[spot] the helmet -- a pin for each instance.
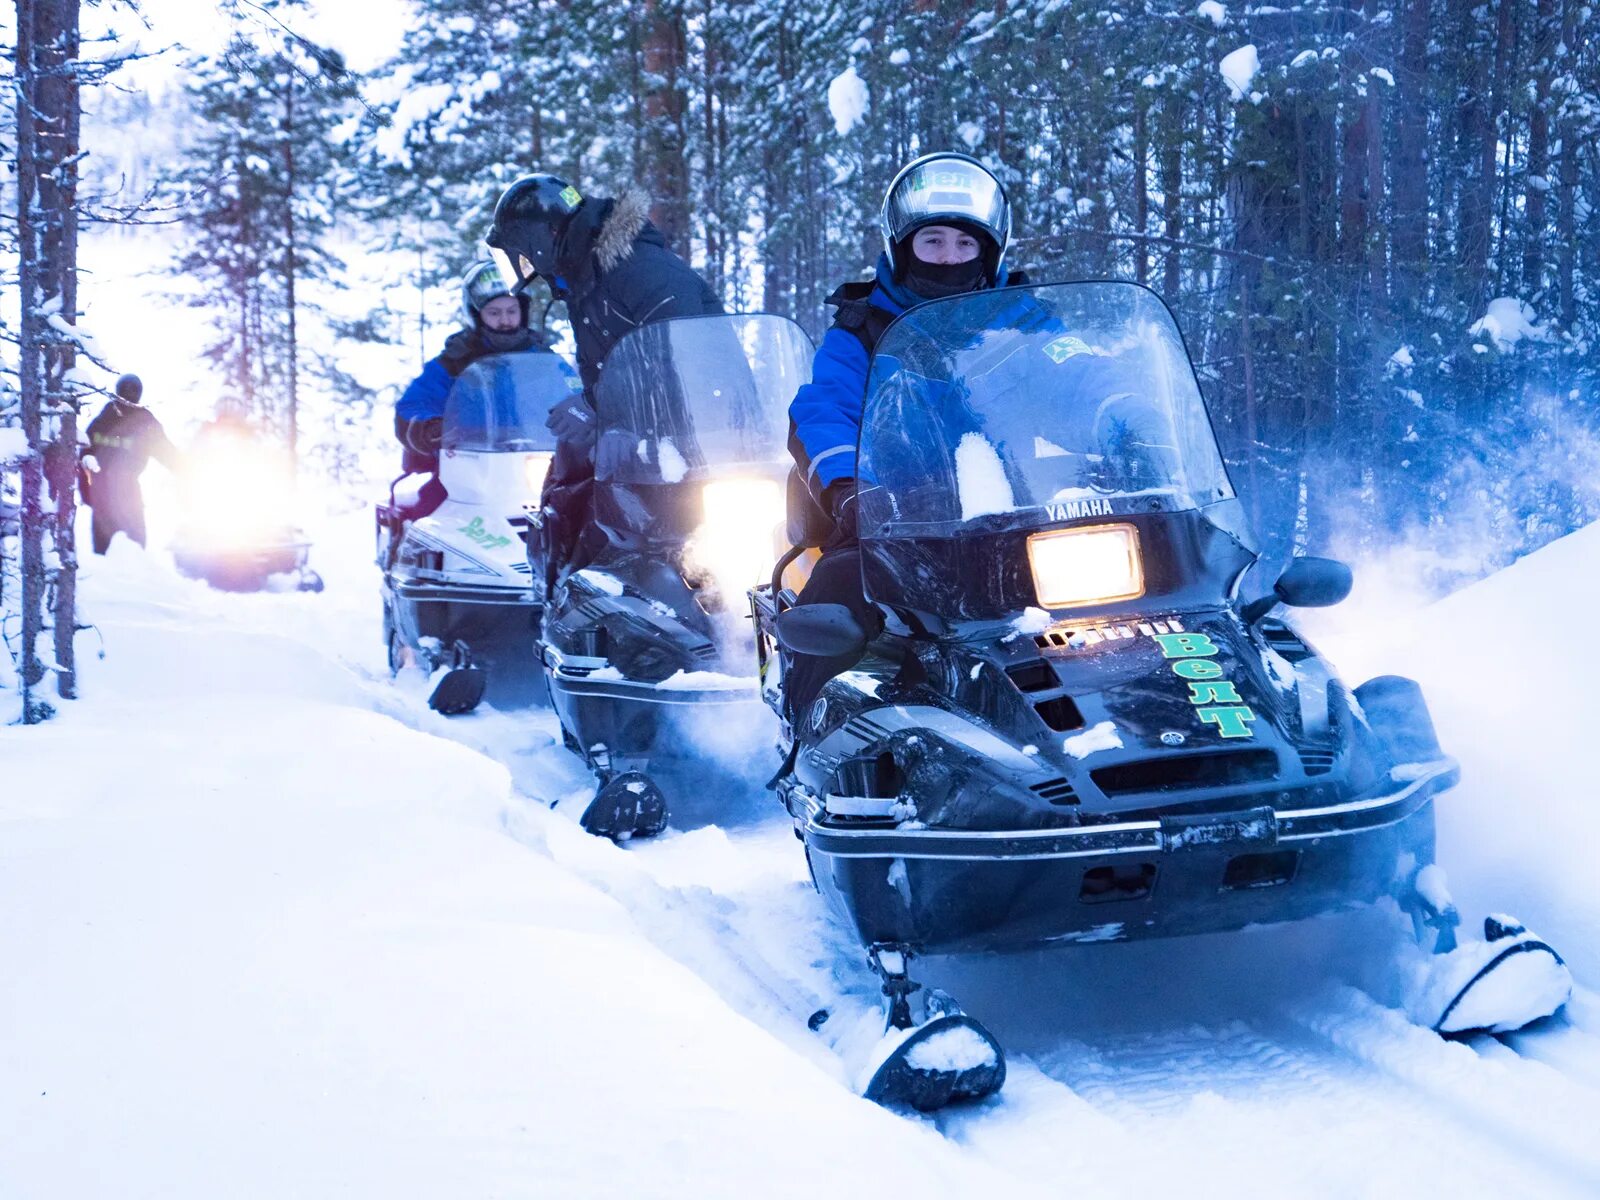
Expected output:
(946, 189)
(130, 388)
(481, 284)
(528, 223)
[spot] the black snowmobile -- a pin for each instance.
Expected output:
(650, 629)
(1069, 728)
(458, 589)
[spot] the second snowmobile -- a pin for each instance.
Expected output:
(458, 588)
(236, 532)
(1068, 727)
(646, 633)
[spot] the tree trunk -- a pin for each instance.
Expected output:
(1172, 198)
(1141, 188)
(1567, 186)
(47, 147)
(665, 159)
(1410, 189)
(1546, 31)
(290, 270)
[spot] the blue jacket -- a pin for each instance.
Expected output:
(827, 411)
(424, 396)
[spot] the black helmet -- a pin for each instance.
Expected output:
(528, 223)
(481, 284)
(946, 189)
(130, 388)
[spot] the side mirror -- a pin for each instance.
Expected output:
(1308, 583)
(824, 630)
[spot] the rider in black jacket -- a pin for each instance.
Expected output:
(123, 439)
(615, 272)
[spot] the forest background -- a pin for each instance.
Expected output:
(1375, 220)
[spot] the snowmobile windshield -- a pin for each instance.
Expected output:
(1019, 408)
(499, 403)
(696, 397)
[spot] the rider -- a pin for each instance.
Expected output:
(496, 323)
(946, 225)
(615, 271)
(122, 440)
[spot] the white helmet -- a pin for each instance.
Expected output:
(481, 284)
(946, 189)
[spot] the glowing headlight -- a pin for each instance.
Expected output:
(535, 467)
(735, 541)
(1095, 565)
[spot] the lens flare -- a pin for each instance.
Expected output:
(736, 541)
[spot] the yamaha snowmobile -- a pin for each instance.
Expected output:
(458, 588)
(235, 534)
(647, 632)
(1069, 728)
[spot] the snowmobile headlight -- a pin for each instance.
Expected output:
(735, 541)
(535, 467)
(1094, 565)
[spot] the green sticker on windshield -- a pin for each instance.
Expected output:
(570, 196)
(1065, 346)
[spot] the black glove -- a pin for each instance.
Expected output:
(572, 420)
(839, 498)
(425, 436)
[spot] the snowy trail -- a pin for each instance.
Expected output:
(1257, 1064)
(1301, 1094)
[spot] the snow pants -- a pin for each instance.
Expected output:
(118, 507)
(836, 579)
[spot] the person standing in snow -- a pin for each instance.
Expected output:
(123, 438)
(496, 323)
(613, 268)
(946, 225)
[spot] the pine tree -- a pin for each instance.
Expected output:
(265, 177)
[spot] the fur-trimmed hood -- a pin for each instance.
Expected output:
(630, 213)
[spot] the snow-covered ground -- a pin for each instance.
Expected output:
(272, 928)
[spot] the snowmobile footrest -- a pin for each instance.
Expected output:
(459, 691)
(950, 1060)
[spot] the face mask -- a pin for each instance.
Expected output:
(499, 342)
(934, 280)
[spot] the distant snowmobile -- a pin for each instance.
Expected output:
(457, 584)
(1069, 729)
(236, 532)
(689, 469)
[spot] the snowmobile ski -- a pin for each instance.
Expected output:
(459, 691)
(950, 1060)
(627, 806)
(1515, 978)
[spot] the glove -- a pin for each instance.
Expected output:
(425, 436)
(572, 421)
(90, 463)
(839, 497)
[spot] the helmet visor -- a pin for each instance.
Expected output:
(947, 188)
(520, 270)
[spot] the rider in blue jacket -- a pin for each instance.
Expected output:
(496, 323)
(946, 225)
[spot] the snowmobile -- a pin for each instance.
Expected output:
(1069, 728)
(234, 534)
(648, 633)
(458, 587)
